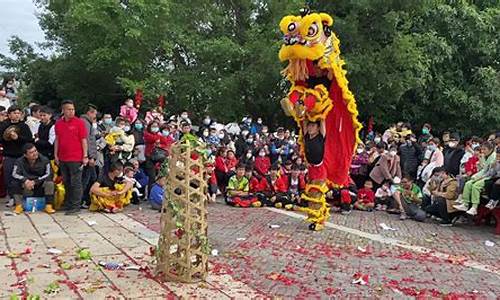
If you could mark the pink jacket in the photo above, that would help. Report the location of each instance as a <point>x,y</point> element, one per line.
<point>129,113</point>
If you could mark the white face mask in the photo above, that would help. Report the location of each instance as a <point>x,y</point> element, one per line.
<point>221,135</point>
<point>205,133</point>
<point>359,150</point>
<point>249,155</point>
<point>393,153</point>
<point>184,116</point>
<point>262,154</point>
<point>452,144</point>
<point>377,140</point>
<point>130,104</point>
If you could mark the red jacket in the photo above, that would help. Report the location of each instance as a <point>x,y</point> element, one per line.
<point>231,163</point>
<point>262,165</point>
<point>213,179</point>
<point>279,186</point>
<point>366,196</point>
<point>150,140</point>
<point>471,165</point>
<point>257,185</point>
<point>220,164</point>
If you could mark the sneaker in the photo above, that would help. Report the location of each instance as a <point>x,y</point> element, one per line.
<point>446,224</point>
<point>49,209</point>
<point>491,204</point>
<point>10,203</point>
<point>345,212</point>
<point>472,211</point>
<point>495,203</point>
<point>289,206</point>
<point>84,205</point>
<point>278,205</point>
<point>257,204</point>
<point>461,207</point>
<point>19,209</point>
<point>403,216</point>
<point>378,207</point>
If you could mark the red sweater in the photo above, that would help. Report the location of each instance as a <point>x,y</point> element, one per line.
<point>262,165</point>
<point>150,140</point>
<point>366,196</point>
<point>220,164</point>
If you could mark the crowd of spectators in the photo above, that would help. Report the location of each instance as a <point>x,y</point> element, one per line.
<point>416,175</point>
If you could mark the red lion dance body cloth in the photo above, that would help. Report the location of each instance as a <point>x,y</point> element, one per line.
<point>322,105</point>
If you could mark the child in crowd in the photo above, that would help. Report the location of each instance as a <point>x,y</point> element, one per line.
<point>212,182</point>
<point>366,197</point>
<point>129,176</point>
<point>140,176</point>
<point>296,186</point>
<point>238,190</point>
<point>157,191</point>
<point>383,196</point>
<point>262,163</point>
<point>274,190</point>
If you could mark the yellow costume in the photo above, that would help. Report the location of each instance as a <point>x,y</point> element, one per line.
<point>109,203</point>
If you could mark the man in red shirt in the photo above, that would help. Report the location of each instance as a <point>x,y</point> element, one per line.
<point>70,149</point>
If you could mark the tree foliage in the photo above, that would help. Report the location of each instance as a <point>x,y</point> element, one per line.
<point>417,60</point>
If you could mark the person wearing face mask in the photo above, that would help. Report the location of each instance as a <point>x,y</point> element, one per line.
<point>256,127</point>
<point>262,163</point>
<point>359,166</point>
<point>213,137</point>
<point>280,149</point>
<point>388,167</point>
<point>154,138</point>
<point>184,117</point>
<point>106,124</point>
<point>426,134</point>
<point>435,156</point>
<point>240,143</point>
<point>453,155</point>
<point>128,111</point>
<point>410,153</point>
<point>138,132</point>
<point>120,142</point>
<point>110,193</point>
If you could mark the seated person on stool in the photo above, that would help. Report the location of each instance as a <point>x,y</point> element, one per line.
<point>32,175</point>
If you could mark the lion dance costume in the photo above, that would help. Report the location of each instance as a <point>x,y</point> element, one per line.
<point>319,94</point>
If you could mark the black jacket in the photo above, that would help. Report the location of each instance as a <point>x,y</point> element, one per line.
<point>42,144</point>
<point>40,171</point>
<point>409,157</point>
<point>452,158</point>
<point>14,148</point>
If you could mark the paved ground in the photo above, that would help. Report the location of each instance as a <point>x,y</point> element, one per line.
<point>254,260</point>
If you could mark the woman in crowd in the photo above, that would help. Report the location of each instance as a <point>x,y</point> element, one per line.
<point>156,149</point>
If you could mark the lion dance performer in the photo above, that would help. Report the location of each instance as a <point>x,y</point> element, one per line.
<point>320,102</point>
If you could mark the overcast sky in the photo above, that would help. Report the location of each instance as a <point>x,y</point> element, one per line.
<point>18,18</point>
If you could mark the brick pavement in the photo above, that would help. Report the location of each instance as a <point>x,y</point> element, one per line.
<point>254,261</point>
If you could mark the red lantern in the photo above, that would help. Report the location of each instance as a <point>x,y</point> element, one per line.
<point>138,98</point>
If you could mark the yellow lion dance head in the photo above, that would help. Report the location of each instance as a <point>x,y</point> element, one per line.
<point>305,37</point>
